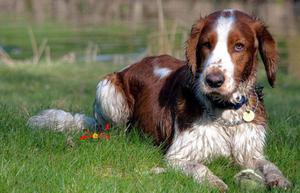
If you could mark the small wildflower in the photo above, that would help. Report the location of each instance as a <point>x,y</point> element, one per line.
<point>95,136</point>
<point>107,137</point>
<point>107,127</point>
<point>83,137</point>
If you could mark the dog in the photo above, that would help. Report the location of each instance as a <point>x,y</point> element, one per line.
<point>199,109</point>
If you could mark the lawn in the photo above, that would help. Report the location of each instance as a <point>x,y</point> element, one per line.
<point>43,161</point>
<point>15,38</point>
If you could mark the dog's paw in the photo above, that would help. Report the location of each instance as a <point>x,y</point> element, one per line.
<point>277,180</point>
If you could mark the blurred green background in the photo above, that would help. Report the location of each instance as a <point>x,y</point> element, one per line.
<point>122,31</point>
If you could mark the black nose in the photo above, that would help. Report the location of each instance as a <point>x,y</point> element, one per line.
<point>215,80</point>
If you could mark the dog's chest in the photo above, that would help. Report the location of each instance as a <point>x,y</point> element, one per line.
<point>206,140</point>
<point>201,142</point>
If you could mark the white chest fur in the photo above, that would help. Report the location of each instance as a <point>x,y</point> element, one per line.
<point>201,142</point>
<point>206,140</point>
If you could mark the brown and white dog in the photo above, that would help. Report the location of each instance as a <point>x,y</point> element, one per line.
<point>201,108</point>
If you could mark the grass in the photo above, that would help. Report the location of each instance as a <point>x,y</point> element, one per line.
<point>42,161</point>
<point>61,39</point>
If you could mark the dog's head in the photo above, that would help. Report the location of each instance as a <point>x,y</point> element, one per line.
<point>222,52</point>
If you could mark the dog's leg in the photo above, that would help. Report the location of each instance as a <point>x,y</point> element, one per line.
<point>273,176</point>
<point>247,150</point>
<point>111,104</point>
<point>199,172</point>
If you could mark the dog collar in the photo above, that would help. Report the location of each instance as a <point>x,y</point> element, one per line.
<point>249,114</point>
<point>258,91</point>
<point>238,105</point>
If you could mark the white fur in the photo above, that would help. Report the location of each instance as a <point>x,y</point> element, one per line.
<point>161,72</point>
<point>202,142</point>
<point>228,10</point>
<point>60,120</point>
<point>210,139</point>
<point>220,57</point>
<point>247,143</point>
<point>110,104</point>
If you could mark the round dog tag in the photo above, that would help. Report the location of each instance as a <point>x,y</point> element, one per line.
<point>248,116</point>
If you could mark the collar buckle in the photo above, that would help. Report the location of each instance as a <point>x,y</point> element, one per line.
<point>238,105</point>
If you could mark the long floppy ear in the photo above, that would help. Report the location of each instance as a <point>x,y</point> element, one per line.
<point>268,51</point>
<point>192,43</point>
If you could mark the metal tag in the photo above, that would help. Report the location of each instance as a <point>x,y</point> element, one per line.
<point>248,116</point>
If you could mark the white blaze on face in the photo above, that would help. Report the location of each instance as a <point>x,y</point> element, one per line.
<point>220,57</point>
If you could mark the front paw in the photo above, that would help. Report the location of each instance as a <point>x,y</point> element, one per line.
<point>277,180</point>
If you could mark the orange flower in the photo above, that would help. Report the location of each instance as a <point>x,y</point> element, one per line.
<point>83,137</point>
<point>107,137</point>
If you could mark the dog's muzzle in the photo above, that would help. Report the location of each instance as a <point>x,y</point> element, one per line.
<point>215,79</point>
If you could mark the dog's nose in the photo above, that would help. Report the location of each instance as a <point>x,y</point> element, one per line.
<point>215,80</point>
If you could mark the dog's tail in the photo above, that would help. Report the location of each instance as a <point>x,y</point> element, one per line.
<point>59,120</point>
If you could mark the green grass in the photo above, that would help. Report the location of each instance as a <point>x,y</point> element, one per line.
<point>42,161</point>
<point>63,39</point>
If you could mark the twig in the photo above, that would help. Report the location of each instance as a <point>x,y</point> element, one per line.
<point>33,45</point>
<point>161,26</point>
<point>41,50</point>
<point>48,55</point>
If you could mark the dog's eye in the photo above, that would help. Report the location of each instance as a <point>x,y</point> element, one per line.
<point>238,47</point>
<point>206,45</point>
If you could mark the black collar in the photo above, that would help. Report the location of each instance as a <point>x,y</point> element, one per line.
<point>258,91</point>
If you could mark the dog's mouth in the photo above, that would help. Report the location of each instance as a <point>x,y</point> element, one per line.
<point>226,101</point>
<point>221,93</point>
<point>228,93</point>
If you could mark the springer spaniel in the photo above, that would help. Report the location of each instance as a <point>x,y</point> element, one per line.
<point>201,108</point>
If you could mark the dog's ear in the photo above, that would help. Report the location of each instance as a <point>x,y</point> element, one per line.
<point>192,44</point>
<point>268,51</point>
